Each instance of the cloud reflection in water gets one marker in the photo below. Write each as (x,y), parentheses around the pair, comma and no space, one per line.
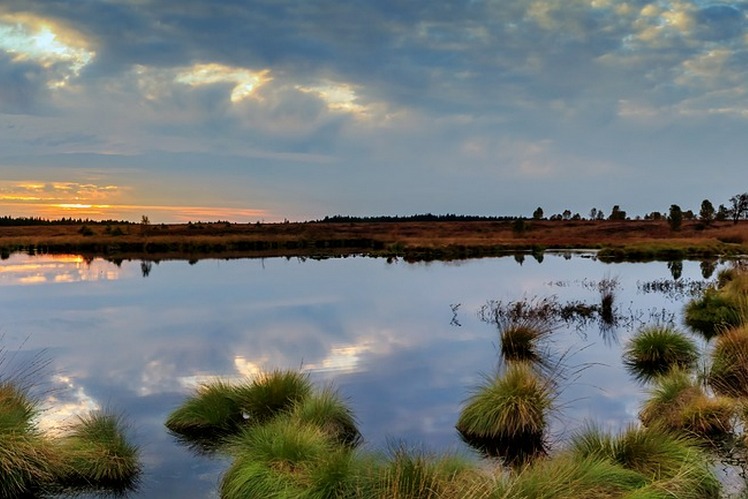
(379,332)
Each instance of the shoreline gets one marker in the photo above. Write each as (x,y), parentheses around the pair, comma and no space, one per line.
(624,240)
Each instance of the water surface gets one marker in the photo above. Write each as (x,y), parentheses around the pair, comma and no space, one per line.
(138,337)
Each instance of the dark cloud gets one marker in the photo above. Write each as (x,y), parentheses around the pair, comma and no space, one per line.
(22,86)
(720,22)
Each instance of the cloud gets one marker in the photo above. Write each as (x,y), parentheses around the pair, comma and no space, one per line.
(719,22)
(283,102)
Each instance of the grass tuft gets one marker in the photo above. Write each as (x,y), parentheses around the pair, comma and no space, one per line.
(570,477)
(286,458)
(98,455)
(711,314)
(677,403)
(728,374)
(327,411)
(220,409)
(663,458)
(655,350)
(415,474)
(507,416)
(520,338)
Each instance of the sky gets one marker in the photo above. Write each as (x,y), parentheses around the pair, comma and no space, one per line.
(265,110)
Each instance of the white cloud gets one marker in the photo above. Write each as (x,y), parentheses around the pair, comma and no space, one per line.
(59,49)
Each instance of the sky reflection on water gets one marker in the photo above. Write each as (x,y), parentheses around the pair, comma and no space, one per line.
(379,332)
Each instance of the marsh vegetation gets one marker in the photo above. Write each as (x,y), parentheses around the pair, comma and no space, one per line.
(308,444)
(361,468)
(92,454)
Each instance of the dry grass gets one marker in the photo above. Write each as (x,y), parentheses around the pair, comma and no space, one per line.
(637,237)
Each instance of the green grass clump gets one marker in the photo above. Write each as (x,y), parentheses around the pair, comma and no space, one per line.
(27,459)
(655,350)
(327,411)
(97,454)
(570,477)
(27,463)
(667,398)
(666,460)
(708,417)
(728,374)
(273,393)
(714,312)
(17,410)
(415,474)
(213,412)
(677,403)
(94,455)
(285,458)
(220,409)
(507,416)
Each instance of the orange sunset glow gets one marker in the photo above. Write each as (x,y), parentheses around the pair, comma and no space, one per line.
(55,200)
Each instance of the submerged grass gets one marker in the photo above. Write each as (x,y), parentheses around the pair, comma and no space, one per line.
(655,350)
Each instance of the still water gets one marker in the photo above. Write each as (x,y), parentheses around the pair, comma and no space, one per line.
(401,341)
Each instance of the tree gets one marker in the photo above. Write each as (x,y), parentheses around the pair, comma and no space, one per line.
(738,206)
(675,217)
(519,226)
(617,214)
(593,214)
(145,225)
(722,213)
(537,214)
(655,215)
(706,213)
(567,214)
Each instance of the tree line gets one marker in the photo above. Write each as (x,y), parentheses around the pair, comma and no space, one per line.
(735,210)
(8,221)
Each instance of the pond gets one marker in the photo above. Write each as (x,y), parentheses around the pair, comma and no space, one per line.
(401,341)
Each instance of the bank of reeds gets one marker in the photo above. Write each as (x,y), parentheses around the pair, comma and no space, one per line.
(655,350)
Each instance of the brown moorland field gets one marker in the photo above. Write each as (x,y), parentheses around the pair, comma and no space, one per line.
(619,239)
